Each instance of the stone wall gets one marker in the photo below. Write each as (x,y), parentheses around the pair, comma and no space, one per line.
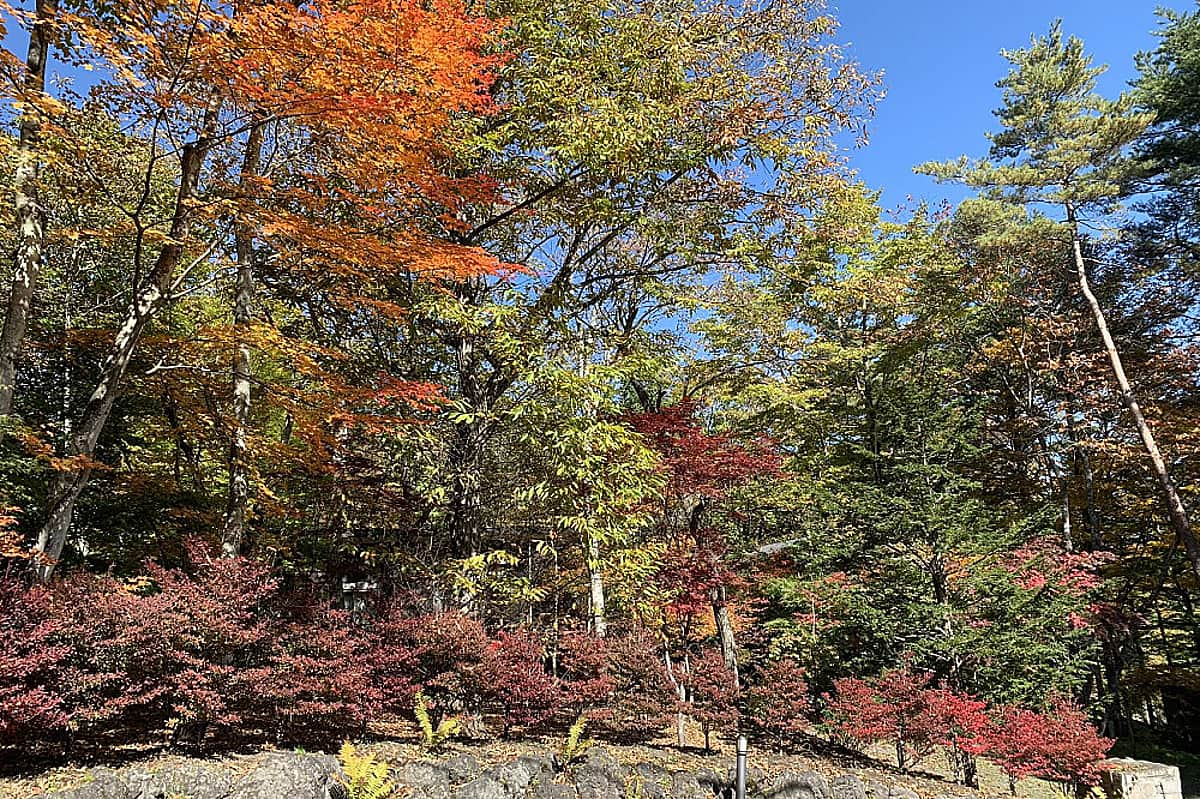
(596,775)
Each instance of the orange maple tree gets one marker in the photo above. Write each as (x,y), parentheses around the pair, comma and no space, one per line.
(358,104)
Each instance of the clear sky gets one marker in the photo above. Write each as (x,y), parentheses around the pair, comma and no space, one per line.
(941,60)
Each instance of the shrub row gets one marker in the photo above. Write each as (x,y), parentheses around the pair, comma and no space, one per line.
(222,649)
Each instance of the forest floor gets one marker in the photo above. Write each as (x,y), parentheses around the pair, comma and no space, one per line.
(398,744)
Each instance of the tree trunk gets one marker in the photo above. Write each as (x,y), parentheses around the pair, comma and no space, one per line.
(81,447)
(233,527)
(30,221)
(596,619)
(725,633)
(1175,508)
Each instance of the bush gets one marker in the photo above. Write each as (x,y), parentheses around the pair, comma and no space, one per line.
(962,726)
(893,707)
(512,680)
(778,704)
(460,669)
(621,682)
(713,694)
(30,664)
(1060,745)
(317,684)
(166,651)
(394,660)
(585,669)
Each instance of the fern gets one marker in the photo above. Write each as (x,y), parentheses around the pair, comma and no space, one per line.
(366,777)
(432,738)
(574,745)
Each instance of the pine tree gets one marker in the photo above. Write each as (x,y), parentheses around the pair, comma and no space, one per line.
(1063,144)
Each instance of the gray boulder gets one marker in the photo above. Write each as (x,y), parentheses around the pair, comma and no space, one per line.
(191,780)
(684,785)
(649,781)
(483,787)
(101,783)
(290,774)
(548,789)
(803,785)
(424,779)
(847,786)
(461,768)
(756,778)
(877,790)
(598,775)
(519,774)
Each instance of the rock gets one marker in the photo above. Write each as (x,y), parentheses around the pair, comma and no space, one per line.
(426,780)
(686,786)
(461,768)
(805,785)
(296,776)
(649,781)
(102,783)
(483,787)
(547,789)
(517,775)
(598,775)
(1140,779)
(847,786)
(193,780)
(877,790)
(755,778)
(714,782)
(900,792)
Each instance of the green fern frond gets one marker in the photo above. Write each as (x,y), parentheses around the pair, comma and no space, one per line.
(574,745)
(433,738)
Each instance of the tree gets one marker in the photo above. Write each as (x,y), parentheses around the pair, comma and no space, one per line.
(30,216)
(1169,152)
(1064,144)
(248,64)
(702,469)
(1060,745)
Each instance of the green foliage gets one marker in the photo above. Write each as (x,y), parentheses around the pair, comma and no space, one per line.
(434,738)
(1060,141)
(575,744)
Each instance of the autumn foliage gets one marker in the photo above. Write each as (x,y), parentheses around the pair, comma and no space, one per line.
(901,708)
(778,703)
(1059,744)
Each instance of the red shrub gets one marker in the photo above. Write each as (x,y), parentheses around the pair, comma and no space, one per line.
(644,696)
(513,681)
(961,724)
(167,650)
(461,669)
(584,669)
(621,682)
(713,694)
(1060,745)
(446,651)
(318,682)
(30,663)
(893,707)
(394,661)
(778,704)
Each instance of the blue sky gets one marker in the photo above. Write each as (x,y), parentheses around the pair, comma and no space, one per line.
(941,60)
